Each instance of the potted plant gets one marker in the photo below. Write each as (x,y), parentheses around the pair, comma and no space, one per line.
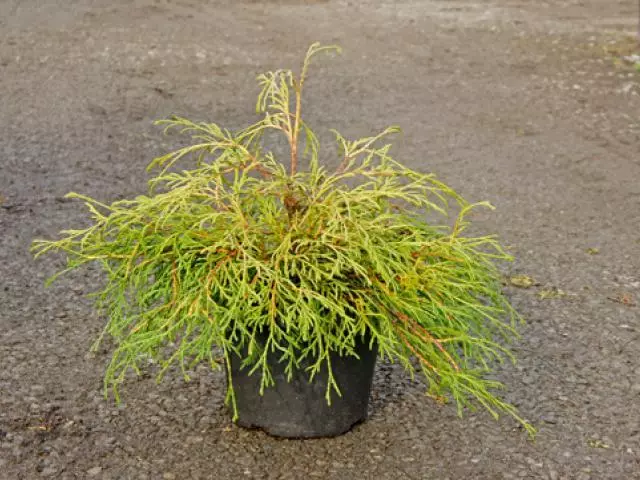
(294,276)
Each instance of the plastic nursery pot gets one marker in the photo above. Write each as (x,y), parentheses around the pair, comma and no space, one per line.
(299,408)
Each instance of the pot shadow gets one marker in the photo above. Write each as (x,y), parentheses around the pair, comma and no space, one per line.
(392,386)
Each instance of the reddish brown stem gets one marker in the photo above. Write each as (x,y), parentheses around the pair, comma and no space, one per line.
(416,353)
(427,337)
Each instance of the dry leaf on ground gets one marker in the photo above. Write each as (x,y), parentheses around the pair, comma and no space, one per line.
(552,292)
(595,443)
(624,298)
(522,281)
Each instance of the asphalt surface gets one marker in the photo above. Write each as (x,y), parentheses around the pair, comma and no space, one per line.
(525,104)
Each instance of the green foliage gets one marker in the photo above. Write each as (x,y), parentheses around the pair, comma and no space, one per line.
(243,243)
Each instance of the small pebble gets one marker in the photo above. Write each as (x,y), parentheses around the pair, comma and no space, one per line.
(92,472)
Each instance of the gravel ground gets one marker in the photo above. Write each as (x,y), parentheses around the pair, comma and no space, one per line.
(518,102)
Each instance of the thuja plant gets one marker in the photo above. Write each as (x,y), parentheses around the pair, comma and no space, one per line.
(245,244)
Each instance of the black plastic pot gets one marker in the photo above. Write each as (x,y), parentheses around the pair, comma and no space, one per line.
(299,409)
